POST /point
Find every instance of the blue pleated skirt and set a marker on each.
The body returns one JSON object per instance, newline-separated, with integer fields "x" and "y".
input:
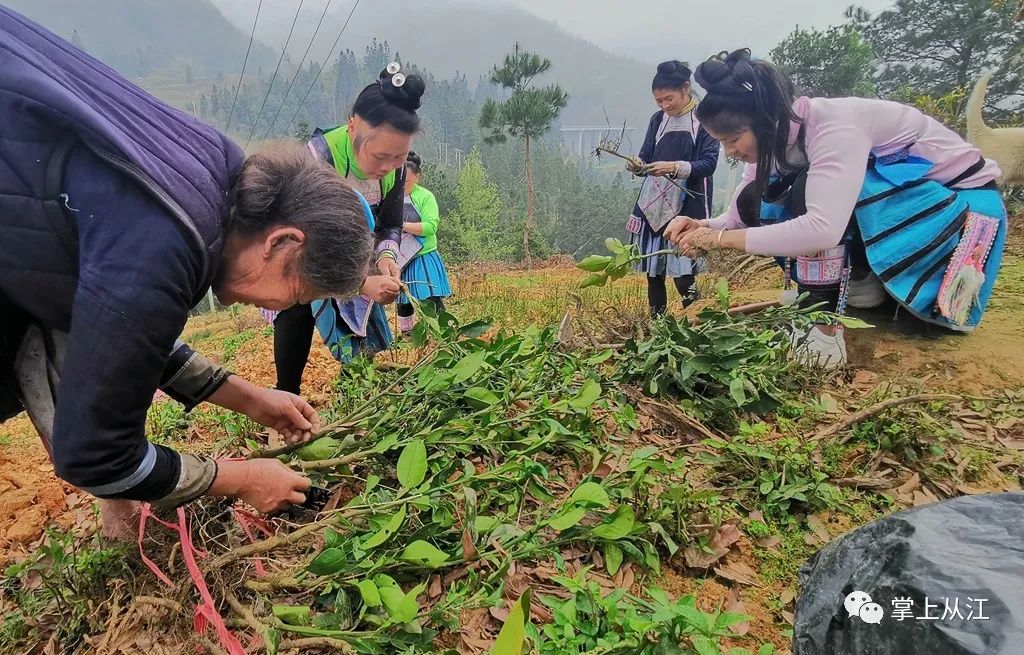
{"x": 426, "y": 277}
{"x": 344, "y": 343}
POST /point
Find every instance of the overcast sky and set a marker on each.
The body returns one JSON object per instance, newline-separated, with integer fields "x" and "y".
{"x": 655, "y": 30}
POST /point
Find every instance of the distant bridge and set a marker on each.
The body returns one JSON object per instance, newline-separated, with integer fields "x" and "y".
{"x": 583, "y": 139}
{"x": 580, "y": 140}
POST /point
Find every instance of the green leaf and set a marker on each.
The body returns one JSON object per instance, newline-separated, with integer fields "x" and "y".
{"x": 729, "y": 619}
{"x": 512, "y": 636}
{"x": 386, "y": 531}
{"x": 400, "y": 607}
{"x": 705, "y": 646}
{"x": 614, "y": 245}
{"x": 766, "y": 649}
{"x": 469, "y": 365}
{"x": 369, "y": 593}
{"x": 766, "y": 487}
{"x": 600, "y": 357}
{"x": 659, "y": 596}
{"x": 612, "y": 558}
{"x": 372, "y": 481}
{"x": 853, "y": 323}
{"x": 474, "y": 329}
{"x": 693, "y": 616}
{"x": 722, "y": 292}
{"x": 329, "y": 562}
{"x": 590, "y": 493}
{"x": 618, "y": 525}
{"x": 332, "y": 539}
{"x": 291, "y": 614}
{"x": 420, "y": 334}
{"x": 412, "y": 464}
{"x": 594, "y": 280}
{"x": 323, "y": 448}
{"x": 567, "y": 518}
{"x": 618, "y": 272}
{"x": 422, "y": 552}
{"x": 594, "y": 263}
{"x": 272, "y": 638}
{"x": 480, "y": 398}
{"x": 588, "y": 395}
{"x": 739, "y": 396}
{"x": 485, "y": 524}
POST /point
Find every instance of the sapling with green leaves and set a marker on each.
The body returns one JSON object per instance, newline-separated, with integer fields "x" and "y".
{"x": 605, "y": 268}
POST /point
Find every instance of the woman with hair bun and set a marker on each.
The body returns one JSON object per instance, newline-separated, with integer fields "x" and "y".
{"x": 369, "y": 152}
{"x": 677, "y": 154}
{"x": 867, "y": 199}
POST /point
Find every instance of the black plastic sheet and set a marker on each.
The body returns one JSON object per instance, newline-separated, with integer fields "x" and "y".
{"x": 945, "y": 579}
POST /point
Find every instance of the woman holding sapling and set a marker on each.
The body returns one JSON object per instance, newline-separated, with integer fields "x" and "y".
{"x": 872, "y": 198}
{"x": 369, "y": 152}
{"x": 677, "y": 160}
{"x": 424, "y": 273}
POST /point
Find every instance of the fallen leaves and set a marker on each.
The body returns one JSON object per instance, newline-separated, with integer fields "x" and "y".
{"x": 740, "y": 572}
{"x": 717, "y": 548}
{"x": 819, "y": 533}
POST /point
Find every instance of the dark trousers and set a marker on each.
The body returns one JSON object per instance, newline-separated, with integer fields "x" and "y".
{"x": 405, "y": 309}
{"x": 293, "y": 337}
{"x": 657, "y": 293}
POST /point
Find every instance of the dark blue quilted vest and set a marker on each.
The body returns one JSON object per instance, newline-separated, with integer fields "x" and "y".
{"x": 52, "y": 96}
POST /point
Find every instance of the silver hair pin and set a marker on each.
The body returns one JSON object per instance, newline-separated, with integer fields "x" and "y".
{"x": 748, "y": 86}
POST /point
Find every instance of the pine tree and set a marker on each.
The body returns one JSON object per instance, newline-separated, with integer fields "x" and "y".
{"x": 527, "y": 114}
{"x": 938, "y": 47}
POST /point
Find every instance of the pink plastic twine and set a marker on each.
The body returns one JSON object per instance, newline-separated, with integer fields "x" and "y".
{"x": 206, "y": 612}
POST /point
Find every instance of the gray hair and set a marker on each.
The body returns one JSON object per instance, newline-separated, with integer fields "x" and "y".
{"x": 288, "y": 187}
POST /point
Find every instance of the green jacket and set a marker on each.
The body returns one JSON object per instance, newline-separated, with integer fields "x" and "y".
{"x": 426, "y": 206}
{"x": 335, "y": 147}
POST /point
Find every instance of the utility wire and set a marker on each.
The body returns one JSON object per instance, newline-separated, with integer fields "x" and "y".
{"x": 244, "y": 62}
{"x": 298, "y": 70}
{"x": 322, "y": 67}
{"x": 273, "y": 78}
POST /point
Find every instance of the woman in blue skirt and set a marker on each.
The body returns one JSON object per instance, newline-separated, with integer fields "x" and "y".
{"x": 677, "y": 160}
{"x": 423, "y": 272}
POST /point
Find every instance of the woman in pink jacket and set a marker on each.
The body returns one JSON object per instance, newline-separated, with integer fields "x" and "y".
{"x": 861, "y": 200}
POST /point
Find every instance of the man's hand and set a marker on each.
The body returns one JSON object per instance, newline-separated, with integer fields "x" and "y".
{"x": 266, "y": 484}
{"x": 285, "y": 412}
{"x": 380, "y": 288}
{"x": 679, "y": 226}
{"x": 661, "y": 168}
{"x": 389, "y": 267}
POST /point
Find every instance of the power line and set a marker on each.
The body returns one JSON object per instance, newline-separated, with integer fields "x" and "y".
{"x": 298, "y": 70}
{"x": 244, "y": 62}
{"x": 322, "y": 67}
{"x": 273, "y": 78}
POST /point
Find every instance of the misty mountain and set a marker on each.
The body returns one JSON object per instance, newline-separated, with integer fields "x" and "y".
{"x": 449, "y": 36}
{"x": 138, "y": 37}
